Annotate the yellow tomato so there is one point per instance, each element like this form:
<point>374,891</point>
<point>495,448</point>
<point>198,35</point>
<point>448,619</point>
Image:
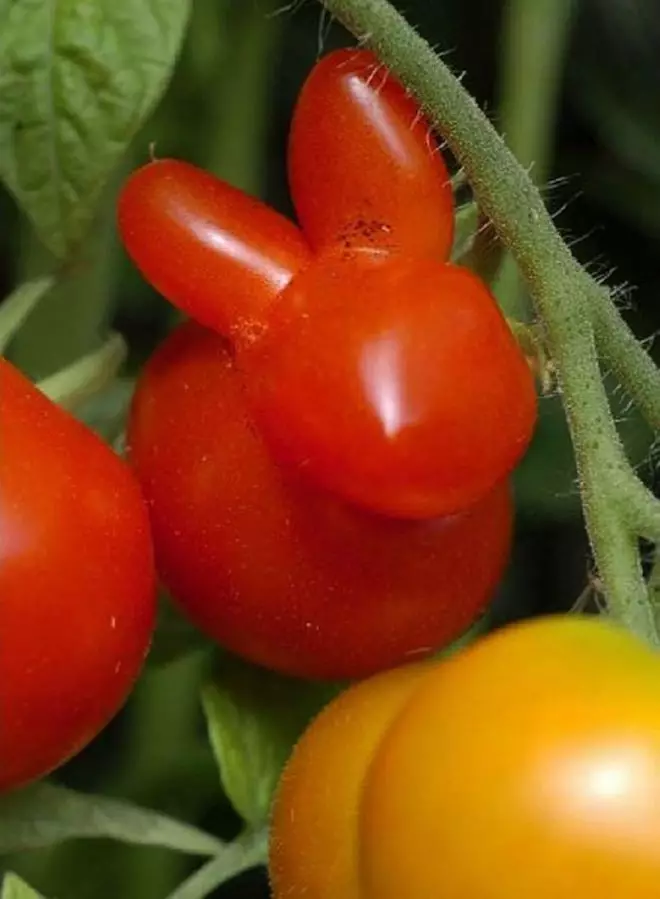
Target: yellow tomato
<point>525,767</point>
<point>315,819</point>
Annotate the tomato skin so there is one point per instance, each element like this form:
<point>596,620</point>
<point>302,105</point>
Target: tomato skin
<point>392,381</point>
<point>77,583</point>
<point>364,169</point>
<point>213,251</point>
<point>526,765</point>
<point>275,570</point>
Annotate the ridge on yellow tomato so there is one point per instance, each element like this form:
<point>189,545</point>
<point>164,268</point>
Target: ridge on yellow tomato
<point>525,767</point>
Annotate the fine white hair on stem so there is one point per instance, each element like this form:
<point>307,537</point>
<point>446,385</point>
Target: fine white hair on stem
<point>286,8</point>
<point>324,26</point>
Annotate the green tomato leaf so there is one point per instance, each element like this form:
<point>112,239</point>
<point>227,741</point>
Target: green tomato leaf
<point>44,814</point>
<point>254,719</point>
<point>15,888</point>
<point>77,79</point>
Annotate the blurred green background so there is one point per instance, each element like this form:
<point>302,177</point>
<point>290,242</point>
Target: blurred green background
<point>575,86</point>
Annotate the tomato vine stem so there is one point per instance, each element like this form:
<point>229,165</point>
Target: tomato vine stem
<point>248,851</point>
<point>85,377</point>
<point>16,308</point>
<point>631,364</point>
<point>579,317</point>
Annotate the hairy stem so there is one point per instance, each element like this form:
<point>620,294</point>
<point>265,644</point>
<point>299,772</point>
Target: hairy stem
<point>629,361</point>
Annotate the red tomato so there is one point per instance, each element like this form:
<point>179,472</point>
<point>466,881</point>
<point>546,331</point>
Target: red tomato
<point>524,767</point>
<point>394,382</point>
<point>363,167</point>
<point>275,570</point>
<point>77,583</point>
<point>216,253</point>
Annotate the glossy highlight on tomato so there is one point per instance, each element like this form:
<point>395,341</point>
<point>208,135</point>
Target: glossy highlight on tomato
<point>527,765</point>
<point>77,583</point>
<point>364,168</point>
<point>393,381</point>
<point>274,569</point>
<point>216,253</point>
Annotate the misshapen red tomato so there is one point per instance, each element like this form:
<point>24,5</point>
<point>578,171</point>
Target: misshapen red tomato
<point>364,168</point>
<point>393,381</point>
<point>272,568</point>
<point>77,582</point>
<point>216,253</point>
<point>385,375</point>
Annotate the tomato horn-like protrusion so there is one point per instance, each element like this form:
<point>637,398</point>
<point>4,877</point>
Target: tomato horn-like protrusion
<point>364,167</point>
<point>216,253</point>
